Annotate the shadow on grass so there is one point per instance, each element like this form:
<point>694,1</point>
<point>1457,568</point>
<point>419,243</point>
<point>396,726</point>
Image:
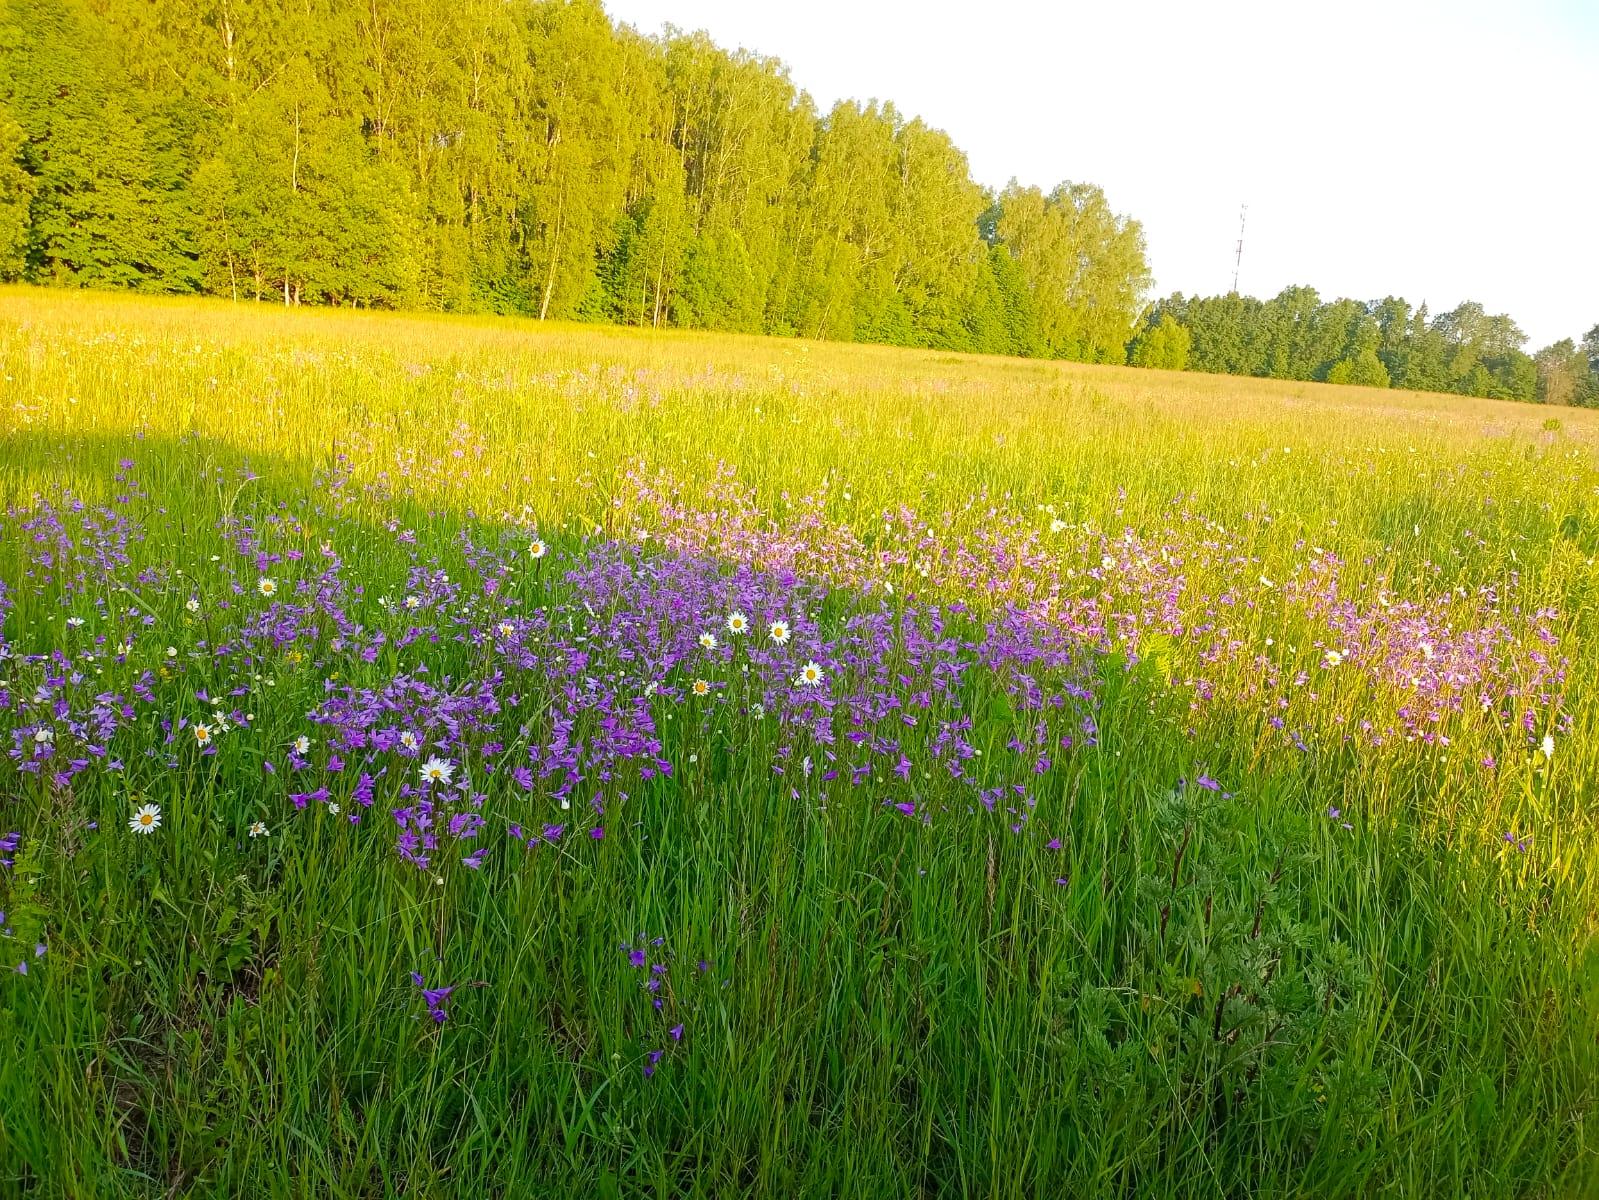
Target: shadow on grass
<point>1193,995</point>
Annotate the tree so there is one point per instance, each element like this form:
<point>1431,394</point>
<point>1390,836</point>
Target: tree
<point>16,195</point>
<point>1363,369</point>
<point>1085,267</point>
<point>103,210</point>
<point>1163,345</point>
<point>1562,371</point>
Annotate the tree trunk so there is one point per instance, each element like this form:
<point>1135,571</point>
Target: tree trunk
<point>555,251</point>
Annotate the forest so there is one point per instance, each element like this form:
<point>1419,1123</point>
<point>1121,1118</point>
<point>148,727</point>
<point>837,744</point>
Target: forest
<point>535,157</point>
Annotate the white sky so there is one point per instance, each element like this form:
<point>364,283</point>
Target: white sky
<point>1440,150</point>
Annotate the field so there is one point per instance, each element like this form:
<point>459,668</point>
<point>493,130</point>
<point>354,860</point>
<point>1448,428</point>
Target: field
<point>663,764</point>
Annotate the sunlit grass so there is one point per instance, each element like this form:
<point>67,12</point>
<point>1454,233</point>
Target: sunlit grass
<point>1348,619</point>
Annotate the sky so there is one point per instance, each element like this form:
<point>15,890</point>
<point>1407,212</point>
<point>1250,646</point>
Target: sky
<point>1439,150</point>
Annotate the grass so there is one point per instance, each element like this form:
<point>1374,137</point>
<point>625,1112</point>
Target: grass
<point>1302,909</point>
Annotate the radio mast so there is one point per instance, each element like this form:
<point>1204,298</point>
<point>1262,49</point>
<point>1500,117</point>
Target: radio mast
<point>1238,258</point>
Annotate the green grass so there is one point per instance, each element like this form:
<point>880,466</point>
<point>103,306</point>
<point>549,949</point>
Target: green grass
<point>1199,994</point>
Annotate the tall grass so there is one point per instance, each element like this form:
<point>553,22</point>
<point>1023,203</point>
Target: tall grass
<point>1226,854</point>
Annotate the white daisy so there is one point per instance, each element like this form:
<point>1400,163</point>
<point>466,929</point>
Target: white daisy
<point>436,770</point>
<point>810,675</point>
<point>1548,747</point>
<point>737,622</point>
<point>202,734</point>
<point>1332,658</point>
<point>193,605</point>
<point>778,631</point>
<point>333,810</point>
<point>708,641</point>
<point>408,740</point>
<point>701,688</point>
<point>537,549</point>
<point>267,587</point>
<point>302,744</point>
<point>146,819</point>
<point>259,829</point>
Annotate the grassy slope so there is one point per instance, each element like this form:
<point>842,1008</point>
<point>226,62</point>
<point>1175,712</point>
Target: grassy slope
<point>890,1009</point>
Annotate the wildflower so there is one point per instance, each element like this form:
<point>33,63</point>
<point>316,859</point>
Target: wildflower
<point>146,819</point>
<point>74,622</point>
<point>779,631</point>
<point>436,770</point>
<point>434,998</point>
<point>302,744</point>
<point>1548,747</point>
<point>1332,658</point>
<point>1107,562</point>
<point>333,810</point>
<point>758,710</point>
<point>172,651</point>
<point>810,674</point>
<point>202,734</point>
<point>192,604</point>
<point>408,740</point>
<point>737,622</point>
<point>1057,525</point>
<point>412,603</point>
<point>267,587</point>
<point>701,688</point>
<point>506,629</point>
<point>43,737</point>
<point>259,829</point>
<point>1426,651</point>
<point>708,641</point>
<point>537,549</point>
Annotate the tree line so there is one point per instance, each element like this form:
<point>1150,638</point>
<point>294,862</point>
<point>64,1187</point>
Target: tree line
<point>535,157</point>
<point>1297,335</point>
<point>522,156</point>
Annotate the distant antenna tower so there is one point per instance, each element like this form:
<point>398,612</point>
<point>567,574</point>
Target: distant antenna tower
<point>1238,258</point>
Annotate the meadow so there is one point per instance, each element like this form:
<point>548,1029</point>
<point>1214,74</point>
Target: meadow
<point>452,756</point>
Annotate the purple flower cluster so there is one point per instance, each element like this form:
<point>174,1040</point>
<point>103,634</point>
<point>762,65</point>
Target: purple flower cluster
<point>1420,667</point>
<point>485,694</point>
<point>434,998</point>
<point>649,957</point>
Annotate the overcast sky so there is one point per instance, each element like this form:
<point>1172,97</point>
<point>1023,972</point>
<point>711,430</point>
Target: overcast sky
<point>1440,150</point>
